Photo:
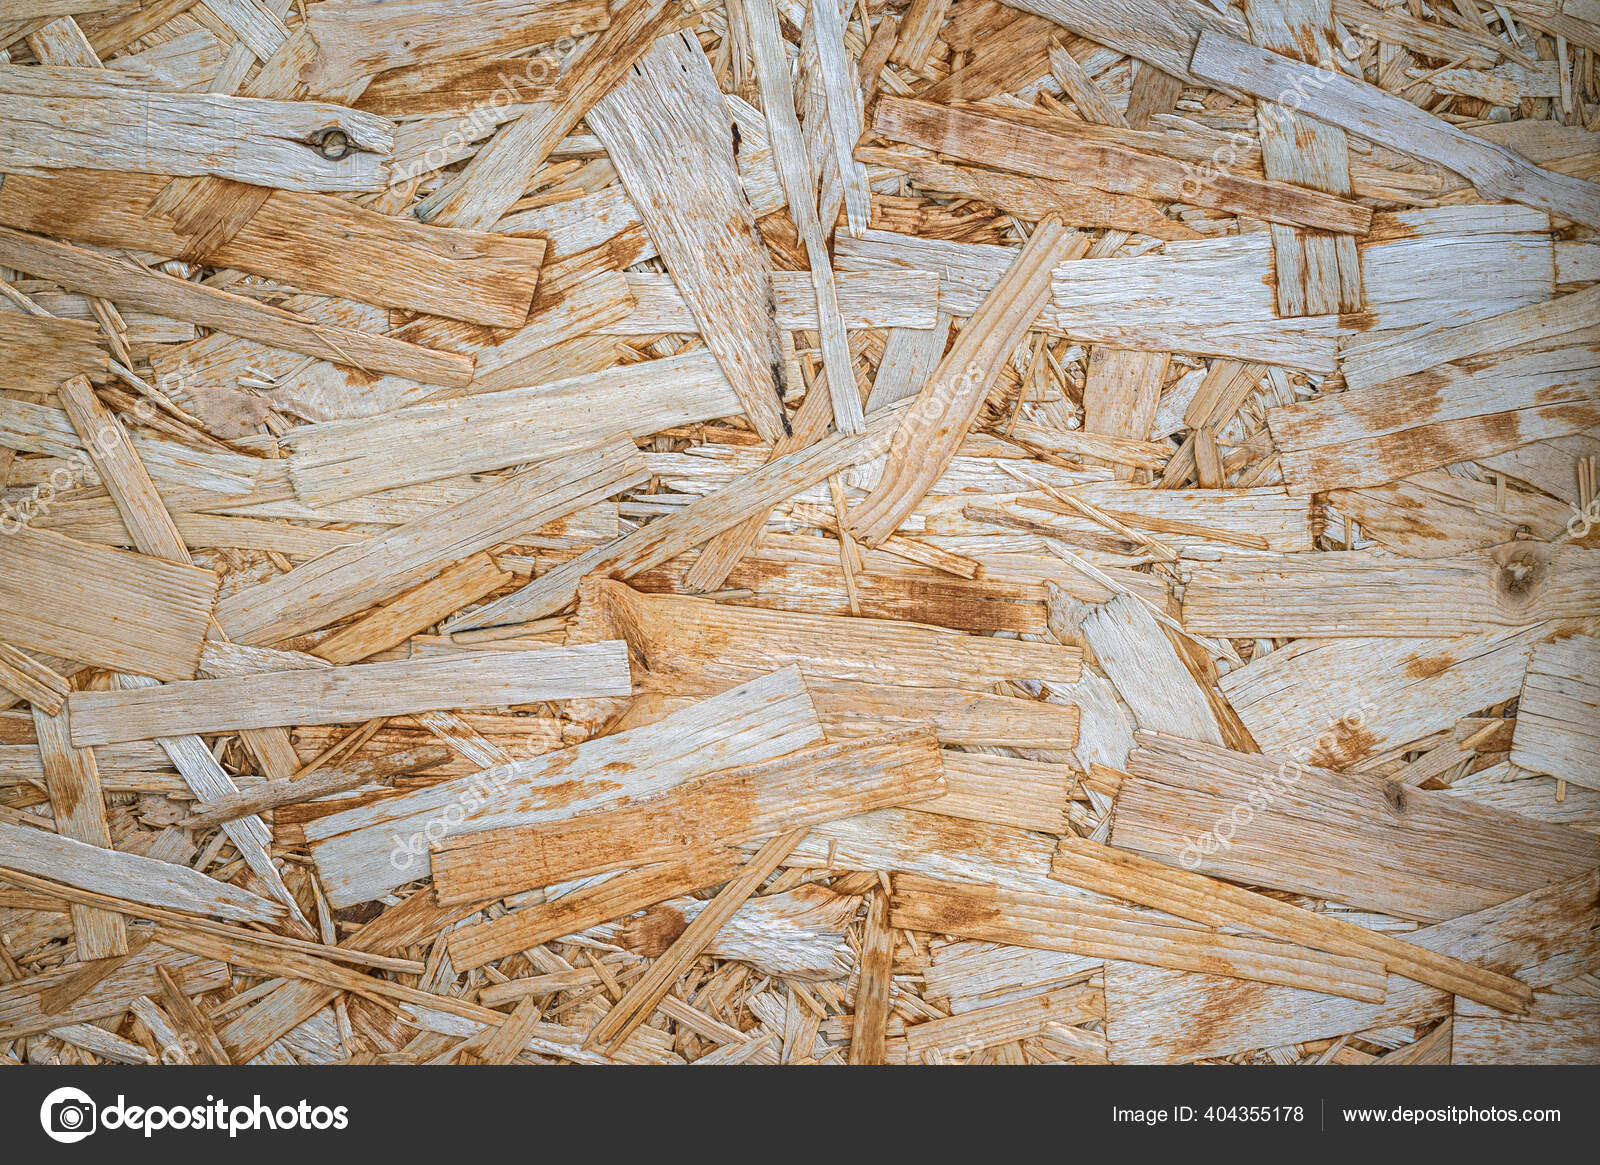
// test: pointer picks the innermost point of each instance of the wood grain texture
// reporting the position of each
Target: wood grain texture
(349, 580)
(1047, 1017)
(357, 38)
(640, 999)
(347, 695)
(1192, 666)
(666, 129)
(1121, 392)
(1159, 32)
(937, 420)
(28, 679)
(795, 934)
(129, 877)
(1003, 790)
(1364, 109)
(1106, 870)
(1073, 152)
(1317, 273)
(851, 708)
(1380, 357)
(496, 176)
(105, 607)
(1424, 420)
(959, 716)
(1092, 926)
(49, 9)
(907, 299)
(1351, 838)
(1077, 204)
(310, 241)
(324, 783)
(75, 118)
(416, 610)
(149, 525)
(127, 282)
(615, 897)
(365, 851)
(39, 352)
(577, 295)
(1453, 263)
(1545, 937)
(869, 1031)
(1354, 593)
(1212, 297)
(790, 155)
(78, 804)
(651, 545)
(493, 430)
(723, 808)
(23, 1003)
(1556, 722)
(1140, 660)
(1558, 1029)
(1334, 702)
(698, 642)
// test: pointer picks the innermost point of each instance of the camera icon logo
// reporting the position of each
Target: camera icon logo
(68, 1115)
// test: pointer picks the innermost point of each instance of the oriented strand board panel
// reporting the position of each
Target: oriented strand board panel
(666, 130)
(356, 38)
(1087, 925)
(1390, 120)
(1159, 32)
(131, 877)
(491, 430)
(28, 1008)
(1100, 157)
(1317, 272)
(1454, 262)
(727, 807)
(352, 578)
(909, 300)
(125, 281)
(1455, 412)
(799, 532)
(696, 641)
